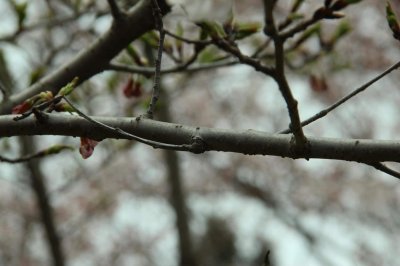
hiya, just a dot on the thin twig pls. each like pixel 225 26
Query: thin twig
pixel 39 154
pixel 187 67
pixel 266 259
pixel 279 75
pixel 157 73
pixel 261 48
pixel 269 27
pixel 344 99
pixel 283 25
pixel 255 63
pixel 45 24
pixel 383 168
pixel 186 40
pixel 193 147
pixel 299 28
pixel 39 107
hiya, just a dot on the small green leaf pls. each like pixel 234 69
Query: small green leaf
pixel 77 4
pixel 151 38
pixel 56 149
pixel 134 54
pixel 20 10
pixel 208 55
pixel 392 21
pixel 67 89
pixel 212 28
pixel 178 43
pixel 64 107
pixel 295 16
pixel 296 5
pixel 313 30
pixel 343 28
pixel 45 96
pixel 36 74
pixel 244 30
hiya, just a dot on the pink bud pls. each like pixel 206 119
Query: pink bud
pixel 87 147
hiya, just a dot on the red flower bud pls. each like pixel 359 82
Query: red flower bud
pixel 318 84
pixel 87 147
pixel 22 108
pixel 132 88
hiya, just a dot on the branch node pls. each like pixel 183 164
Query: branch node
pixel 197 146
pixel 299 148
pixel 40 116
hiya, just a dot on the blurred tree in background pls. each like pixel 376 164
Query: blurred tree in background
pixel 190 78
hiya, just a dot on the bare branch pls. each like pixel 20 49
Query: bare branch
pixel 238 141
pixel 193 146
pixel 40 154
pixel 383 168
pixel 157 73
pixel 96 57
pixel 255 63
pixel 186 40
pixel 344 99
pixel 280 77
pixel 299 28
pixel 115 10
pixel 149 71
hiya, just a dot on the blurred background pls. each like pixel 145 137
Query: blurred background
pixel 129 204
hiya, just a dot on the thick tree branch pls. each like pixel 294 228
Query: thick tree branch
pixel 44 206
pixel 239 141
pixel 97 56
pixel 194 146
pixel 115 10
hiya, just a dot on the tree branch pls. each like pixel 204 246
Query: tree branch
pixel 383 168
pixel 246 142
pixel 44 206
pixel 97 56
pixel 186 67
pixel 344 99
pixel 193 146
pixel 280 77
pixel 40 154
pixel 244 59
pixel 157 73
pixel 115 10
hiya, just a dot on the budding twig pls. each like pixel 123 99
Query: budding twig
pixel 157 73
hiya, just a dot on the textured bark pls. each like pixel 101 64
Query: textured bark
pixel 239 141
